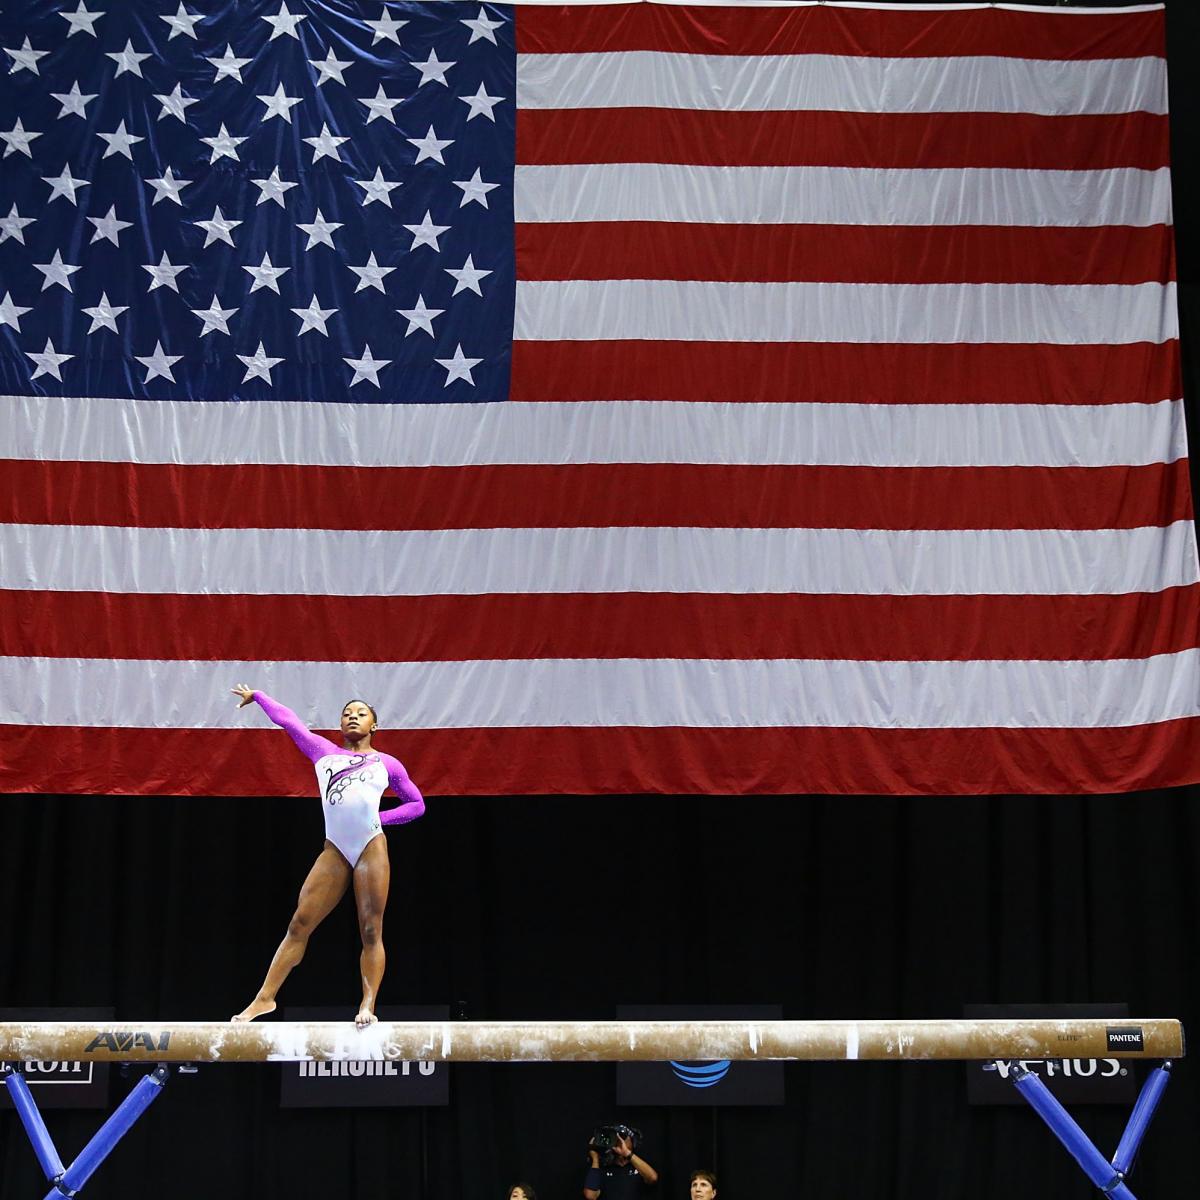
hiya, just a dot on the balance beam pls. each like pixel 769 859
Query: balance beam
pixel 1020 1042
pixel 589 1041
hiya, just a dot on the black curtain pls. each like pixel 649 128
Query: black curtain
pixel 564 907
pixel 567 906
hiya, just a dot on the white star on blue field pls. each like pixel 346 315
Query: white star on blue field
pixel 257 205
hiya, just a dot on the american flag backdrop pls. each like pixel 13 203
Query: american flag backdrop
pixel 622 398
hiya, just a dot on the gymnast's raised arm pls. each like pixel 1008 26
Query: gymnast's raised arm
pixel 311 745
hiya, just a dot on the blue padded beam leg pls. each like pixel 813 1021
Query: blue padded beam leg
pixel 148 1089
pixel 1095 1166
pixel 35 1127
pixel 1140 1118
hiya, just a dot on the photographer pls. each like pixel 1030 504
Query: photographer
pixel 617 1171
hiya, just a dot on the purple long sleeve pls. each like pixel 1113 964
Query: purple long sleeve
pixel 311 745
pixel 413 803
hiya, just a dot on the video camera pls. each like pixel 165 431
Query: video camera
pixel 605 1138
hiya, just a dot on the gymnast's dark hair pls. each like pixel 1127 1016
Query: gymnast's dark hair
pixel 530 1194
pixel 370 709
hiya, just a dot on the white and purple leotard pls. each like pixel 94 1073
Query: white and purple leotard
pixel 351 784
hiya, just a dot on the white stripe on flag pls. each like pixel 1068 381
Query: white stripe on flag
pixel 841 195
pixel 897 313
pixel 840 83
pixel 601 559
pixel 704 693
pixel 74 429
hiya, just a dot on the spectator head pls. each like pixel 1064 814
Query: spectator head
pixel 521 1191
pixel 702 1185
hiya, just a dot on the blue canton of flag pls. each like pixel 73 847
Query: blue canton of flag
pixel 278 201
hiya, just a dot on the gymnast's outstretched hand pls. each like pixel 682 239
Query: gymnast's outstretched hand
pixel 246 693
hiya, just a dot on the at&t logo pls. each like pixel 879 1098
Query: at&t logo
pixel 701 1075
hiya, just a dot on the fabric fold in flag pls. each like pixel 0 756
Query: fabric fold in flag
pixel 687 399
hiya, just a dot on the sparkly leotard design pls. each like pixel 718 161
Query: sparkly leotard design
pixel 351 784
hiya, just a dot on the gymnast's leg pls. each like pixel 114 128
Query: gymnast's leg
pixel 325 886
pixel 372 875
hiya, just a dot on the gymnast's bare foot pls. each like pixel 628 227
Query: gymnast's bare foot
pixel 256 1008
pixel 364 1018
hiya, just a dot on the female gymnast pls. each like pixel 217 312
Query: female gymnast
pixel 351 780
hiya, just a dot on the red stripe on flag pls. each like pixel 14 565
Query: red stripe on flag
pixel 891 31
pixel 488 762
pixel 624 625
pixel 595 495
pixel 841 372
pixel 843 253
pixel 842 139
